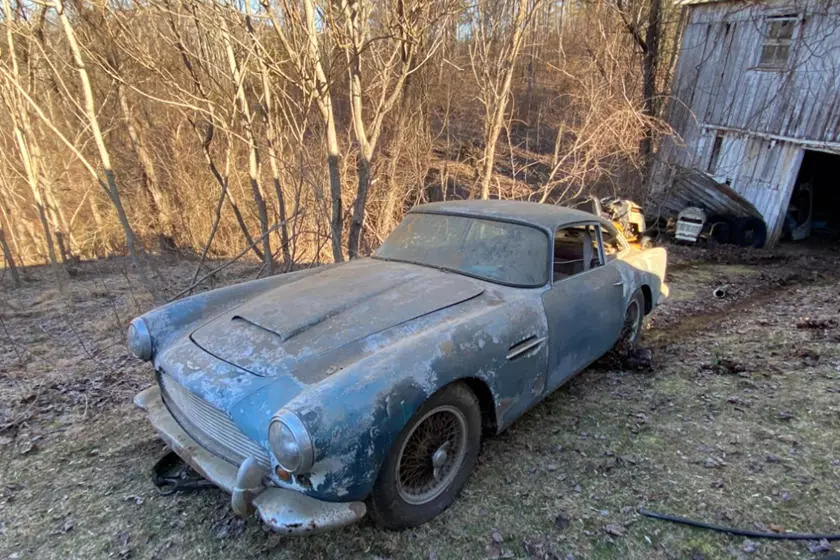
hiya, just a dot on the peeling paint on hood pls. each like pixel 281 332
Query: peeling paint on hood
pixel 309 329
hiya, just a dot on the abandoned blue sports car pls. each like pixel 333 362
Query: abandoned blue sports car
pixel 322 395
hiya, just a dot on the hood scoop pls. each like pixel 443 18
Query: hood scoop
pixel 310 325
pixel 321 310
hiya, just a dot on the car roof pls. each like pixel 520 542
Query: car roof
pixel 547 216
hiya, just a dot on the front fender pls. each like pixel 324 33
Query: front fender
pixel 357 414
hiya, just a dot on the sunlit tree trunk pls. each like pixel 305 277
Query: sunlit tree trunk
pixel 306 57
pixel 497 93
pixel 272 139
pixel 253 151
pixel 24 138
pixel 160 203
pixel 95 129
pixel 10 261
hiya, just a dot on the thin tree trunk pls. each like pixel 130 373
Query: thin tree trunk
pixel 273 139
pixel 497 119
pixel 32 178
pixel 334 165
pixel 650 65
pixel 206 137
pixel 324 100
pixel 357 221
pixel 55 211
pixel 367 135
pixel 160 204
pixel 307 60
pixel 10 261
pixel 24 138
pixel 223 185
pixel 253 153
pixel 93 124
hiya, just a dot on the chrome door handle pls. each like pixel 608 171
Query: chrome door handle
pixel 619 283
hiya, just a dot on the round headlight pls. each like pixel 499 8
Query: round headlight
pixel 140 339
pixel 290 442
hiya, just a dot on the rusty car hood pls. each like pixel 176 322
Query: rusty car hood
pixel 312 328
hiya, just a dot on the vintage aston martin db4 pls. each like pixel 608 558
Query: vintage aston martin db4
pixel 321 395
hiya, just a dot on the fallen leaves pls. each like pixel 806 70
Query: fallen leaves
pixel 614 529
pixel 713 462
pixel 813 323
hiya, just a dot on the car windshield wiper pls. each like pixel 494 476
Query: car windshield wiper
pixel 458 271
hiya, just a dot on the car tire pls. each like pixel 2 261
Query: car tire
pixel 425 470
pixel 631 328
pixel 749 232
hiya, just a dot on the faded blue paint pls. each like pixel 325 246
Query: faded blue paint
pixel 355 349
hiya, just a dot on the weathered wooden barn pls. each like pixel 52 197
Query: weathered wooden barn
pixel 756 104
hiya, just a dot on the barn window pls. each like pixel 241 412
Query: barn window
pixel 715 157
pixel 778 36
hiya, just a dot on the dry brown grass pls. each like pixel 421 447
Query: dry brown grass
pixel 736 422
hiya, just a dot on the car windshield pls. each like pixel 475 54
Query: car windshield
pixel 501 252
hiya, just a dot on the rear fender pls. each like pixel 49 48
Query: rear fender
pixel 651 265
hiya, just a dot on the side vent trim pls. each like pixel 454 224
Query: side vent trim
pixel 525 346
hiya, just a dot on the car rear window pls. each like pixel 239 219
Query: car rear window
pixel 501 252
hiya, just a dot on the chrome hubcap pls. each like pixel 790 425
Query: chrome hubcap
pixel 432 455
pixel 439 459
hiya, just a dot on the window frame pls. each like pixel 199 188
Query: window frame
pixel 714 157
pixel 767 41
pixel 601 255
pixel 623 246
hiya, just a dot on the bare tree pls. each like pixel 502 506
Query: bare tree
pixel 298 35
pixel 499 36
pixel 647 40
pixel 92 120
pixel 25 139
pixel 370 103
pixel 247 119
pixel 393 58
pixel 273 138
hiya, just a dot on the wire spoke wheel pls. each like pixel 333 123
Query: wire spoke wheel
pixel 632 324
pixel 432 455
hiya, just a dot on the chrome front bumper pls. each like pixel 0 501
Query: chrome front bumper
pixel 283 510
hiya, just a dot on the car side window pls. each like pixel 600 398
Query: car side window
pixel 575 250
pixel 612 246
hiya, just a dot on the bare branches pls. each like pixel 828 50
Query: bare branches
pixel 199 121
pixel 493 60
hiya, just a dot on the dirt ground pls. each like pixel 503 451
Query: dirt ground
pixel 736 420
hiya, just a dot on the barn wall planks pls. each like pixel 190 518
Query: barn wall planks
pixel 719 81
pixel 764 118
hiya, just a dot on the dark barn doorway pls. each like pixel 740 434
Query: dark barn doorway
pixel 814 208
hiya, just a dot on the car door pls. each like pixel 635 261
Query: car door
pixel 585 304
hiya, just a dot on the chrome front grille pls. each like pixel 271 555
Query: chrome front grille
pixel 209 426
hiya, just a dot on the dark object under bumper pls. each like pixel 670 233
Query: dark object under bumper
pixel 282 509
